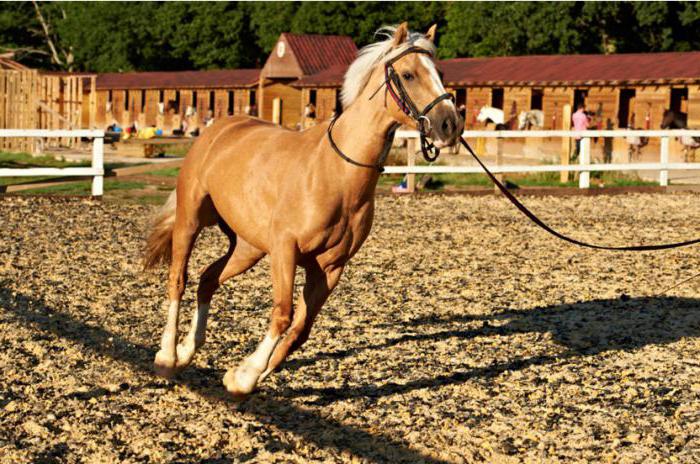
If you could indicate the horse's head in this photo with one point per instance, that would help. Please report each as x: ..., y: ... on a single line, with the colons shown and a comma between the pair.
x: 414, y: 93
x: 523, y: 120
x: 671, y: 120
x: 399, y: 75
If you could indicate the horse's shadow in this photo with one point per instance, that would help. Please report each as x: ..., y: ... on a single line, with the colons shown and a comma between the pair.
x: 268, y: 406
x: 582, y: 329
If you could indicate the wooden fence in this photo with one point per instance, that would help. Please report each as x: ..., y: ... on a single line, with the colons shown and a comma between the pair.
x: 584, y: 166
x: 31, y: 100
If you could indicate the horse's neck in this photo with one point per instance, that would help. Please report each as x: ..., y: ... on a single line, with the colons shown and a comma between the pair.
x: 364, y: 132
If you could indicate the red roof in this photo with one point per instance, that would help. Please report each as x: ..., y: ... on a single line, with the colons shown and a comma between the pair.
x: 179, y: 79
x: 632, y: 67
x: 315, y: 52
x: 331, y: 77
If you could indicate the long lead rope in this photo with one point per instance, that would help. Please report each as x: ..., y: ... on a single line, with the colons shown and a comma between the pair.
x: 559, y: 235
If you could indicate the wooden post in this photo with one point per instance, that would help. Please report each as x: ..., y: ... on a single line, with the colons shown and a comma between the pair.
x: 663, y: 174
x: 584, y: 179
x: 565, y: 142
x: 92, y: 124
x: 411, y: 161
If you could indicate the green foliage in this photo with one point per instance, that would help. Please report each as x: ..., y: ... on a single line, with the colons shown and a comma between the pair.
x: 114, y: 36
x: 519, y: 28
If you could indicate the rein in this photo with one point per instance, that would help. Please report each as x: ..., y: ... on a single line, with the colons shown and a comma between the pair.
x: 394, y: 86
x: 530, y: 215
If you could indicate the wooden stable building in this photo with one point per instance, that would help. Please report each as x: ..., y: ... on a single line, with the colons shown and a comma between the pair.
x: 307, y: 71
x: 293, y: 77
x: 279, y: 92
x: 621, y: 91
x: 626, y: 90
x: 165, y: 99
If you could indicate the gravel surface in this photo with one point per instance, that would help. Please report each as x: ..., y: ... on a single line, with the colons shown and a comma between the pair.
x: 459, y: 333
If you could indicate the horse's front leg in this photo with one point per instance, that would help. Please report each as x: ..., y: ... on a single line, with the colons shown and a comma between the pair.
x: 319, y: 285
x: 242, y: 381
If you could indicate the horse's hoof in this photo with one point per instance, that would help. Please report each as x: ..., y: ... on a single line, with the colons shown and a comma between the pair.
x: 165, y: 365
x: 241, y: 382
x: 185, y: 354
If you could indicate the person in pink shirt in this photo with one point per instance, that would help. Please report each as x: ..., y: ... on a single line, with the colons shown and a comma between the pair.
x: 581, y: 122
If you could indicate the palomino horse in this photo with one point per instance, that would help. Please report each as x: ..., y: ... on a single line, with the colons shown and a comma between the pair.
x: 679, y: 120
x: 305, y: 198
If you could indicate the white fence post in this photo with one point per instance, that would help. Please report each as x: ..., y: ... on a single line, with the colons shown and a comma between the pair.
x: 98, y: 164
x: 410, y: 162
x: 584, y: 179
x: 663, y: 174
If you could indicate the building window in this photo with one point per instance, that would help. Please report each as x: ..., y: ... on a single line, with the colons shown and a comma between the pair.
x: 338, y: 105
x: 143, y: 100
x: 252, y: 98
x: 194, y: 99
x: 161, y: 96
x: 126, y: 100
x: 580, y: 96
x: 177, y: 101
x: 109, y: 96
x: 212, y: 101
x: 497, y: 98
x: 536, y: 99
x: 461, y: 97
x: 625, y: 108
x: 312, y: 97
x: 679, y: 100
x: 230, y: 109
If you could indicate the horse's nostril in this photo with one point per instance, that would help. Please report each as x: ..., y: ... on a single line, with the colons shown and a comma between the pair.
x: 447, y: 125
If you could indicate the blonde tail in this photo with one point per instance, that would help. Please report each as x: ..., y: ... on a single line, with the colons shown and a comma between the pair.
x: 160, y: 239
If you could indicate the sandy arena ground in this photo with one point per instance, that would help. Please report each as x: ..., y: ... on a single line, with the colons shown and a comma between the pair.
x: 459, y: 333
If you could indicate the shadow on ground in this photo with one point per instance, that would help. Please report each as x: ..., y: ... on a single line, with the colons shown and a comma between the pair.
x: 583, y: 329
x: 279, y: 412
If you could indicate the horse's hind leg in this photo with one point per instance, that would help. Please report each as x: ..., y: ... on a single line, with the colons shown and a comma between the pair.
x: 190, y: 217
x: 240, y: 257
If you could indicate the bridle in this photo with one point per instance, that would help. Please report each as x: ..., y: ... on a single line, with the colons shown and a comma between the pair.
x: 393, y: 85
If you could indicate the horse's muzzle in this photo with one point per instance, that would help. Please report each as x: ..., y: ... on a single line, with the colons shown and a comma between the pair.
x: 447, y: 128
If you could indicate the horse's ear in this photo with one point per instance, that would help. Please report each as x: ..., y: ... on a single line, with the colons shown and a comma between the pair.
x: 432, y: 33
x: 401, y: 34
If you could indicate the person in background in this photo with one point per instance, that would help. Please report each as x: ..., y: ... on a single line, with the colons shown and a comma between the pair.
x: 581, y: 121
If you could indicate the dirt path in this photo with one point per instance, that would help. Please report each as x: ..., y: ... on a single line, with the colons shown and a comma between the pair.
x: 459, y: 334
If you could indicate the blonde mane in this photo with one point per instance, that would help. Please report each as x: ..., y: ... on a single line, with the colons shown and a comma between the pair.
x: 359, y: 71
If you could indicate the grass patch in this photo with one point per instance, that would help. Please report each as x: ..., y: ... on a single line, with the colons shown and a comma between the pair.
x: 25, y: 160
x: 10, y: 160
x: 167, y: 172
x: 538, y: 179
x: 85, y: 187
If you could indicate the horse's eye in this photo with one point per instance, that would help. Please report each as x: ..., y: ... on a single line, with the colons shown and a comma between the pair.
x: 407, y: 76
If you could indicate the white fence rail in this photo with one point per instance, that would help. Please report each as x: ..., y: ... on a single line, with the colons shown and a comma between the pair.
x: 95, y: 170
x: 584, y: 166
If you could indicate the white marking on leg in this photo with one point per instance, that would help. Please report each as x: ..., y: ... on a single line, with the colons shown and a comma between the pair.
x: 166, y: 358
x: 246, y: 376
x: 169, y: 339
x: 195, y: 337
